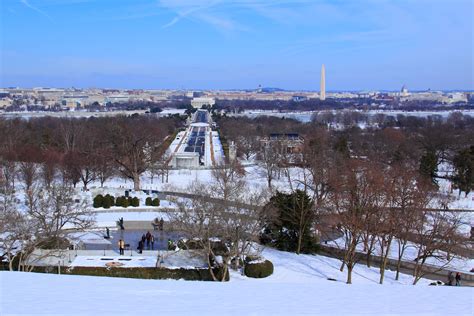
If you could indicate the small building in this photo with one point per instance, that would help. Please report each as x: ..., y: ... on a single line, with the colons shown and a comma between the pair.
x: 289, y: 145
x: 185, y: 160
x: 299, y: 98
x: 201, y: 101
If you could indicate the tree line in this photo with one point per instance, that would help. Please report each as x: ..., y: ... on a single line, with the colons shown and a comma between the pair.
x: 81, y: 150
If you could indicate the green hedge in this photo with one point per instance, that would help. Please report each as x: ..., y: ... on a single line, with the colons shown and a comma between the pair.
x: 258, y: 269
x: 104, y: 201
x: 202, y: 274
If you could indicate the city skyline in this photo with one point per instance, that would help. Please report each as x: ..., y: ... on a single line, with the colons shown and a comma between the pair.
x: 367, y: 45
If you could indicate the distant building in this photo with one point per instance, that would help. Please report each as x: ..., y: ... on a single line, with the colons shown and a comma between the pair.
x: 457, y: 97
x: 404, y: 91
x: 299, y: 98
x: 194, y: 94
x: 470, y: 98
x: 118, y: 98
x: 289, y: 145
x: 199, y: 102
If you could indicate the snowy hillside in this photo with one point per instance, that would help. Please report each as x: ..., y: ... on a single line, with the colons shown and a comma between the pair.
x: 298, y: 286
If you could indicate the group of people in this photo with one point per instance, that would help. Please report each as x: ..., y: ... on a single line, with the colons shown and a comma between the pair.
x: 147, y: 238
x: 452, y: 278
x: 158, y: 224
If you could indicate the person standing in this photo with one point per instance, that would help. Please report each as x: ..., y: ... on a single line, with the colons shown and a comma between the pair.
x: 121, y: 244
x: 140, y: 246
x: 148, y: 239
x: 450, y: 278
x: 458, y: 279
x: 152, y: 240
x: 162, y: 222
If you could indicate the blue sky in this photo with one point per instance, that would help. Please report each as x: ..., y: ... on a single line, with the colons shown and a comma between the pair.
x: 212, y: 44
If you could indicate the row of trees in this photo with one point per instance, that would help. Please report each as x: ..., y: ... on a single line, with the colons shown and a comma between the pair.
x: 426, y: 143
x: 379, y: 208
x: 85, y: 150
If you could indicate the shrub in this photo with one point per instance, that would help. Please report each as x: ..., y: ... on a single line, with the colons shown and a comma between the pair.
x: 125, y: 202
x: 258, y: 269
x: 155, y: 202
x: 148, y: 201
x: 119, y: 201
x: 98, y: 201
x: 108, y: 201
x: 135, y: 202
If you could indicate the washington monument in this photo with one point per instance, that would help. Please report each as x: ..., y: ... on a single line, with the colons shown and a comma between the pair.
x: 322, y: 94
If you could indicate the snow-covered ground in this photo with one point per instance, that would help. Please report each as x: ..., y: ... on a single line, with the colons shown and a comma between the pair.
x: 305, y: 116
x: 457, y: 264
x: 299, y: 285
x: 168, y: 259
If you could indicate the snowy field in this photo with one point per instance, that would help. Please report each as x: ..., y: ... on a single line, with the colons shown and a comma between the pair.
x: 298, y: 286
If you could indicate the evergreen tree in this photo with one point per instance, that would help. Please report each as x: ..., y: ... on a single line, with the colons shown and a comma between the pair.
x: 429, y: 165
x: 98, y: 201
x: 290, y: 228
x: 463, y: 163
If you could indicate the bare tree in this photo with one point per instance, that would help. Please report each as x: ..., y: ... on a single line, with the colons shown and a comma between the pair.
x: 268, y: 161
x: 219, y: 221
x: 228, y: 181
x: 352, y: 199
x: 28, y: 172
x: 104, y: 168
x: 48, y: 167
x: 436, y: 236
x: 408, y: 193
x: 164, y: 167
x: 133, y: 142
x: 51, y: 212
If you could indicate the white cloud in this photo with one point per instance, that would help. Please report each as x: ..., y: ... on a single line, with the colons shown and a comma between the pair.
x: 27, y: 4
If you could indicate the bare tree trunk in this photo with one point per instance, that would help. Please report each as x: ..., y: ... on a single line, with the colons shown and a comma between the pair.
x: 370, y: 249
x: 401, y: 250
x: 349, y: 273
x: 136, y: 182
x: 383, y: 263
x: 300, y: 238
